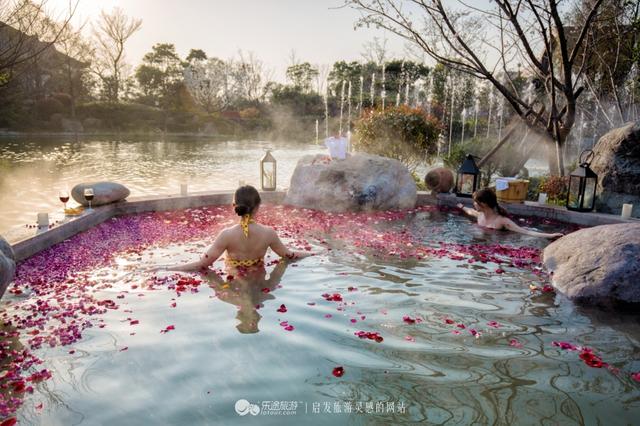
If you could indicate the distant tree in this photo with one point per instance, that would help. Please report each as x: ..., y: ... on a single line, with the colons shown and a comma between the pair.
x: 196, y: 55
x: 302, y: 76
x: 207, y: 82
x: 159, y: 75
x: 250, y: 77
x: 344, y: 71
x: 112, y: 31
x: 375, y: 51
x: 295, y: 101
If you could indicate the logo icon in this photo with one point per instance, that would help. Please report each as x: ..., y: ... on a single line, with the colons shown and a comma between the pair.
x: 244, y: 407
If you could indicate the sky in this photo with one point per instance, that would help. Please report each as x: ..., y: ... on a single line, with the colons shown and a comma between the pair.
x: 318, y: 31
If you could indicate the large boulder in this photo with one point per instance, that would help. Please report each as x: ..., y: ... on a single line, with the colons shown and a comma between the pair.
x: 597, y: 265
x: 617, y: 163
x: 7, y: 265
x: 360, y: 182
x: 104, y: 193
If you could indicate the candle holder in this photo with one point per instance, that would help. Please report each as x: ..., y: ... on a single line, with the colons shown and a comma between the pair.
x: 626, y: 211
x: 542, y: 198
x: 43, y: 220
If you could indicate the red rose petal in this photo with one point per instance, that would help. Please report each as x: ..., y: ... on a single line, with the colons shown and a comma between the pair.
x: 338, y: 371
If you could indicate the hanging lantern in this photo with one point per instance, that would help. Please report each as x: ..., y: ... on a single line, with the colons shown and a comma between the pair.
x: 268, y: 172
x: 581, y: 196
x: 468, y: 178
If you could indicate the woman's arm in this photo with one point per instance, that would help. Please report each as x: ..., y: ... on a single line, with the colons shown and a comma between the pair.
x: 512, y: 226
x: 468, y: 211
x: 211, y: 255
x: 281, y: 250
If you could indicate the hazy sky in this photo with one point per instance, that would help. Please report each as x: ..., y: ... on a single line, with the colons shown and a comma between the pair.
x: 318, y: 30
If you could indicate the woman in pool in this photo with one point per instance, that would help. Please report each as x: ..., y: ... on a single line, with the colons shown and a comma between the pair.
x: 245, y: 243
x: 491, y: 215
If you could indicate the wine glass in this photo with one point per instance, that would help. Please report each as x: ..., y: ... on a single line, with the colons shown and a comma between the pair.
x: 63, y: 194
x: 88, y: 195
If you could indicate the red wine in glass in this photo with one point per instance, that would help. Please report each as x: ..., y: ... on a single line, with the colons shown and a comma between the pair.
x: 88, y: 195
x: 64, y: 197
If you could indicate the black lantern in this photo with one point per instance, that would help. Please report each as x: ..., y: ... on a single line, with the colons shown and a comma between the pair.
x: 268, y: 172
x: 581, y: 196
x: 468, y: 178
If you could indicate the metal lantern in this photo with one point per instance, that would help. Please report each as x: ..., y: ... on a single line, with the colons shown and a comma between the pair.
x: 468, y: 178
x: 581, y: 196
x: 268, y: 172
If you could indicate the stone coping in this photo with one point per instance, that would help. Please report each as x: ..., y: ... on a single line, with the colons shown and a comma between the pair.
x: 546, y: 211
x: 28, y: 241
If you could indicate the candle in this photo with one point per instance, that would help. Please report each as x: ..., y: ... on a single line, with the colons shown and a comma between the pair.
x: 241, y: 183
x: 43, y: 220
x: 626, y: 210
x: 183, y: 189
x: 542, y: 198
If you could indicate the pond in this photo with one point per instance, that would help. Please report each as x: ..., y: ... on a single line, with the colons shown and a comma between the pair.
x: 412, y: 317
x: 34, y: 169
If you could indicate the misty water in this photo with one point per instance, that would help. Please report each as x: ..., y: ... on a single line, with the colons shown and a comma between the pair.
x: 34, y: 169
x: 228, y: 342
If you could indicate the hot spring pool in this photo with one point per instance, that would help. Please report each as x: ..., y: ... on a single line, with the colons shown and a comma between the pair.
x: 429, y: 318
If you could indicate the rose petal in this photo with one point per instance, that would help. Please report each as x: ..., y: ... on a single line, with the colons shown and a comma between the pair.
x: 338, y: 371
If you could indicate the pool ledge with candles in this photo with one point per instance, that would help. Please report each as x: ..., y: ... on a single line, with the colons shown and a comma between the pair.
x: 27, y: 241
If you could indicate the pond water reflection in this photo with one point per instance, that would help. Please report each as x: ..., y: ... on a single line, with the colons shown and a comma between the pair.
x: 33, y: 170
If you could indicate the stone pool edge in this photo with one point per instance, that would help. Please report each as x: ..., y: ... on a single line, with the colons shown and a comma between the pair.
x: 26, y: 247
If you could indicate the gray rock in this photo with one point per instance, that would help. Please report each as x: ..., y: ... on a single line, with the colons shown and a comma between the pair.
x: 104, y: 193
x: 360, y: 182
x: 617, y: 163
x: 597, y: 265
x: 7, y: 265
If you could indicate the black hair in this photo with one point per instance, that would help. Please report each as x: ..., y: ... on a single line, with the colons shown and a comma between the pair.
x: 246, y: 200
x: 488, y: 197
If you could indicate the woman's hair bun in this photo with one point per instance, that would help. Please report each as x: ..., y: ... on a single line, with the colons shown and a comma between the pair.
x: 246, y: 200
x: 241, y: 209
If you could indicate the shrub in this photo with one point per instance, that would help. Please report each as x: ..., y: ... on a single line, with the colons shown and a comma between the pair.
x: 405, y: 134
x: 45, y: 108
x: 556, y: 188
x: 420, y: 185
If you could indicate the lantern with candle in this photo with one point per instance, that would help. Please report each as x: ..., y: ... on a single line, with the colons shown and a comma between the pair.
x: 468, y: 178
x: 581, y: 196
x: 268, y: 172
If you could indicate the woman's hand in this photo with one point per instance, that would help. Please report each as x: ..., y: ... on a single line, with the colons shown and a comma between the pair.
x: 460, y: 206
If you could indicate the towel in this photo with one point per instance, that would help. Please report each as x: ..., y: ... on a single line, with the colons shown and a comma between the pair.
x: 337, y: 147
x: 503, y: 183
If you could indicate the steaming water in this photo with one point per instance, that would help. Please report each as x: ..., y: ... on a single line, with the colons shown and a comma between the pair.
x: 196, y: 373
x: 32, y: 171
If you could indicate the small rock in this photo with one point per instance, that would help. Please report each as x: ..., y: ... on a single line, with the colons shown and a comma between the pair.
x: 439, y: 180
